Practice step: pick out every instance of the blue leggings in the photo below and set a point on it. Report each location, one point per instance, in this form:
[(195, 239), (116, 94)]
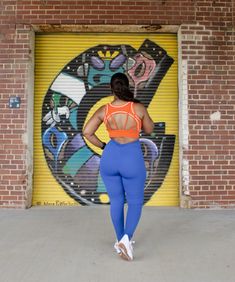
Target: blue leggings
[(123, 171)]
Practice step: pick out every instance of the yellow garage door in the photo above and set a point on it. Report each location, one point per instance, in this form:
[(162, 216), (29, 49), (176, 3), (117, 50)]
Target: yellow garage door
[(72, 75)]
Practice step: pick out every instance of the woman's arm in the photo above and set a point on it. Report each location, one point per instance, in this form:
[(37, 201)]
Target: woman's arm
[(91, 127), (147, 123)]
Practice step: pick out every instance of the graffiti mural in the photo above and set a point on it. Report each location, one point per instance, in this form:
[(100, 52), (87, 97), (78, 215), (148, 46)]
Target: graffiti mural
[(82, 83)]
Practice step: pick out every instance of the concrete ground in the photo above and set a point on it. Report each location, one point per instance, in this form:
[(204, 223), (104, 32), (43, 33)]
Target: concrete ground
[(68, 244)]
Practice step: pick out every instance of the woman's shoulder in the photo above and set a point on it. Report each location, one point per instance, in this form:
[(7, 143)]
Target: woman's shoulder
[(100, 112), (102, 108), (139, 109), (139, 106)]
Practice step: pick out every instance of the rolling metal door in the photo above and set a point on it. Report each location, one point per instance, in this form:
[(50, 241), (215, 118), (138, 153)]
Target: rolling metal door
[(72, 74)]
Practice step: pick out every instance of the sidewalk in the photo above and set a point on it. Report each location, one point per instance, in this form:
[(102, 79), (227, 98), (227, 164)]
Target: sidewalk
[(68, 244)]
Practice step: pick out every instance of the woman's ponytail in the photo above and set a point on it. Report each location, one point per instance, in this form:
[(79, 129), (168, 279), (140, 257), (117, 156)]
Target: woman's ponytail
[(120, 87)]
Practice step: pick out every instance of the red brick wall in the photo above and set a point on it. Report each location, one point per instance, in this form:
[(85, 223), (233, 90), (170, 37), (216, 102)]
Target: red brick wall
[(210, 53), (207, 45)]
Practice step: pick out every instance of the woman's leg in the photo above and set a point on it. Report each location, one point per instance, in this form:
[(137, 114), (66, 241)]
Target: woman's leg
[(135, 197), (114, 187), (133, 178), (116, 194)]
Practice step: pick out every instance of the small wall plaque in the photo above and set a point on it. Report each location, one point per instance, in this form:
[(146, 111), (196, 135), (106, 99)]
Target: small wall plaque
[(14, 102)]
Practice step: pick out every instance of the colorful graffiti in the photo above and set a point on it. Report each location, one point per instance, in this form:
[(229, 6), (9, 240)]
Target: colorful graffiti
[(78, 87)]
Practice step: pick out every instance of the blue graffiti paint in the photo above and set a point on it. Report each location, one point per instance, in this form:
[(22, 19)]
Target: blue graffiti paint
[(59, 136), (77, 161), (97, 77), (73, 118), (100, 185)]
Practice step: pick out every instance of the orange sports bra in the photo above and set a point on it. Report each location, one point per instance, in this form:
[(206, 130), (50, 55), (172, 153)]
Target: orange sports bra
[(122, 121)]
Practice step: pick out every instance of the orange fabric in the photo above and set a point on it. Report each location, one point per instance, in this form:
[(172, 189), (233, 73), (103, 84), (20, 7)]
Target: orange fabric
[(127, 109)]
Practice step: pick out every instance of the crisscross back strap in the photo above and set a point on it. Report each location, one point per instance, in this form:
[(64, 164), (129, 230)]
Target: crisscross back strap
[(115, 130)]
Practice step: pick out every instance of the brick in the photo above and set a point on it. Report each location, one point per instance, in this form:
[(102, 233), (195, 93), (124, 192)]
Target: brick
[(207, 46)]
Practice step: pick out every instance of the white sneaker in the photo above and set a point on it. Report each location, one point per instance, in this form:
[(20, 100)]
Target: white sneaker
[(117, 249), (126, 248)]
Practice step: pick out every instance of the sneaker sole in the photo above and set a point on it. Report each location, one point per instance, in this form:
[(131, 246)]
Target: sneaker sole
[(124, 253), (116, 248)]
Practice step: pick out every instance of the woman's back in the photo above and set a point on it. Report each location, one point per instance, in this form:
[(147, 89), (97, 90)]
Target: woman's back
[(124, 120)]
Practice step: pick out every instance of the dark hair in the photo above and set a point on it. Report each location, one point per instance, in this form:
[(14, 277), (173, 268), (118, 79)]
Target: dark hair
[(120, 87)]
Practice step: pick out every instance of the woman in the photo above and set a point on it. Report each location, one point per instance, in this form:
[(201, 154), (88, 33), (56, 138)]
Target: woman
[(122, 165)]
